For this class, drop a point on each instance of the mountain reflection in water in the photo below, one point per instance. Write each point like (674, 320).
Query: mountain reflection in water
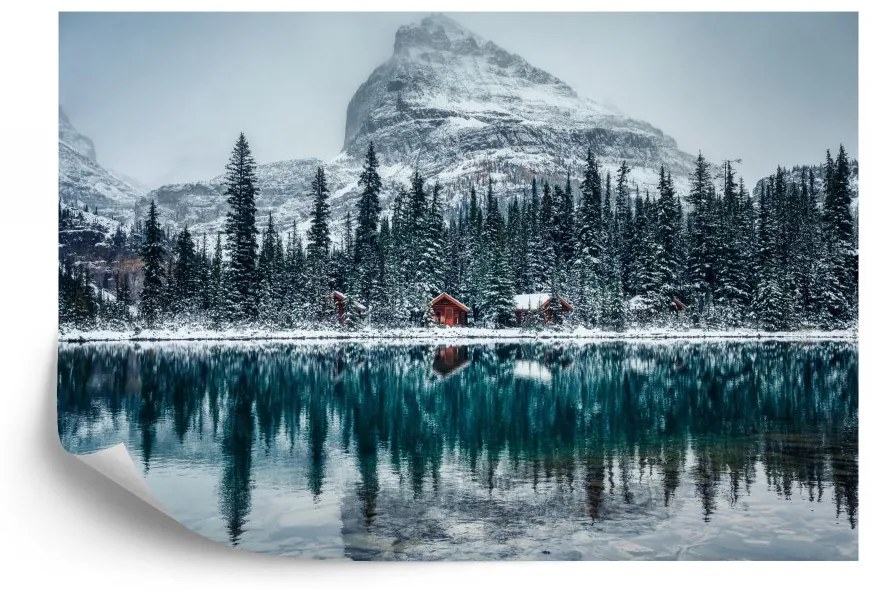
(602, 450)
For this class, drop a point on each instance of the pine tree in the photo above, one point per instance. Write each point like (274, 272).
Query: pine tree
(295, 286)
(366, 254)
(474, 263)
(614, 314)
(538, 259)
(381, 310)
(703, 236)
(318, 249)
(268, 269)
(730, 293)
(401, 269)
(743, 235)
(840, 287)
(607, 214)
(547, 223)
(587, 266)
(498, 294)
(241, 189)
(564, 224)
(152, 253)
(624, 216)
(668, 224)
(769, 299)
(184, 274)
(217, 283)
(649, 255)
(417, 234)
(432, 251)
(204, 286)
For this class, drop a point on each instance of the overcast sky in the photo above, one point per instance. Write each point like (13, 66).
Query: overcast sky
(163, 96)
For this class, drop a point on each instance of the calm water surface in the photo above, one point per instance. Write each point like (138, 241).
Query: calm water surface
(509, 451)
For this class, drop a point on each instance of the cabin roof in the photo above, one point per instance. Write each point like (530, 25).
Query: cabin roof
(527, 301)
(533, 301)
(449, 298)
(340, 296)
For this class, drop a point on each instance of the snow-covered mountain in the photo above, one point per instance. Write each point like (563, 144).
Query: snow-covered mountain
(82, 181)
(451, 103)
(458, 108)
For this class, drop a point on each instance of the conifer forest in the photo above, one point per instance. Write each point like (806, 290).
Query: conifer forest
(722, 256)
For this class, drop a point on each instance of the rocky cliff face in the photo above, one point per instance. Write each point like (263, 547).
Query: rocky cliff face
(82, 181)
(458, 108)
(447, 98)
(70, 136)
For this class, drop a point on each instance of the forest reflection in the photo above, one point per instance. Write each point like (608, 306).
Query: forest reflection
(585, 422)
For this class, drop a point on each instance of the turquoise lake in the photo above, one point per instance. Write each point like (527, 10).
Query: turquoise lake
(525, 450)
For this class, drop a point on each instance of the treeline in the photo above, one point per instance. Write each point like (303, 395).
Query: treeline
(717, 257)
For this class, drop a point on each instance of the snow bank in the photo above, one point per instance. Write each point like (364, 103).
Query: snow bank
(444, 334)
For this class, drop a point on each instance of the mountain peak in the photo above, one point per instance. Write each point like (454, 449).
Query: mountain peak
(436, 32)
(459, 109)
(447, 93)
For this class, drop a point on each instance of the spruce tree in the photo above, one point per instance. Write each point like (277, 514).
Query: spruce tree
(498, 293)
(432, 252)
(295, 292)
(769, 299)
(840, 251)
(417, 233)
(564, 224)
(153, 274)
(366, 253)
(268, 268)
(703, 236)
(539, 262)
(624, 216)
(475, 264)
(318, 249)
(241, 190)
(217, 283)
(185, 270)
(668, 225)
(587, 268)
(730, 292)
(204, 285)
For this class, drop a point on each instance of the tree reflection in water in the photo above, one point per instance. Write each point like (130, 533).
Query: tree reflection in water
(590, 422)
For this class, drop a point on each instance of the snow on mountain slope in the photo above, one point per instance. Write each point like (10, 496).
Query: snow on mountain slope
(203, 206)
(458, 108)
(69, 135)
(82, 181)
(447, 96)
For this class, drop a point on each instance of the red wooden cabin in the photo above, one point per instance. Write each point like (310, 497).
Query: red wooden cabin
(341, 301)
(538, 303)
(448, 311)
(678, 304)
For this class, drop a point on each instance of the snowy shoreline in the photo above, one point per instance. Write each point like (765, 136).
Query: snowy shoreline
(443, 335)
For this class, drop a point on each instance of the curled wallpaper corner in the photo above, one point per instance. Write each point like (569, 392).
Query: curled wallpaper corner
(116, 464)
